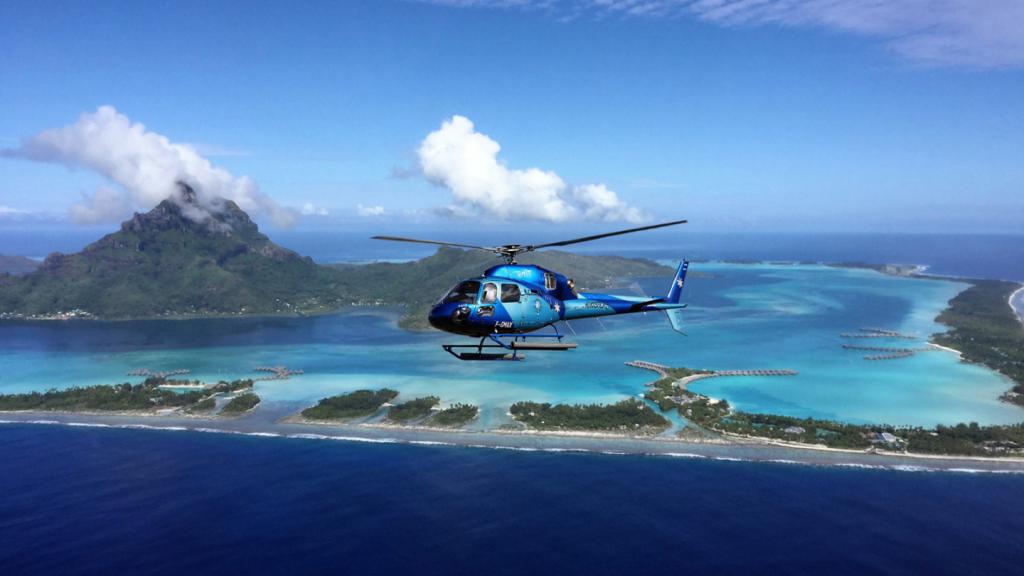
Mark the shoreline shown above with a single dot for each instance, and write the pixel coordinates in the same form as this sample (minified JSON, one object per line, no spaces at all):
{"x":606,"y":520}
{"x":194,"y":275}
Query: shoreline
{"x":726,"y":448}
{"x":1018,"y":311}
{"x":946,"y":348}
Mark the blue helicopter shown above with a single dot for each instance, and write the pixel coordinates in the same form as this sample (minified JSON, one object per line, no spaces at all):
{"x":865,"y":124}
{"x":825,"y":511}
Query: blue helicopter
{"x":510,"y":300}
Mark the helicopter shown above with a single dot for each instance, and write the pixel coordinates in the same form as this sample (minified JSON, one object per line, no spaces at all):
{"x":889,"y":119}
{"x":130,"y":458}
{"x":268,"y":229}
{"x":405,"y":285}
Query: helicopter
{"x":510,"y":301}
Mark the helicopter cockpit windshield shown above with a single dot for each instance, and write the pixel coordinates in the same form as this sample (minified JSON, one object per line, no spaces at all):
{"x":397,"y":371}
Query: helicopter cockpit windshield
{"x":463,"y":293}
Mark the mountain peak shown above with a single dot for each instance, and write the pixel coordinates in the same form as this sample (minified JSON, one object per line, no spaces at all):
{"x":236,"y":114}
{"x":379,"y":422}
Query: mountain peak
{"x":187,"y":193}
{"x":191,"y":254}
{"x":185,"y":211}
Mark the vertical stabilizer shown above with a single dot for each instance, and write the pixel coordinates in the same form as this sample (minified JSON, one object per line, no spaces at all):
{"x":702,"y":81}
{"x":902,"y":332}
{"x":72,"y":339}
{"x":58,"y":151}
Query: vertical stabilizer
{"x":677,"y":283}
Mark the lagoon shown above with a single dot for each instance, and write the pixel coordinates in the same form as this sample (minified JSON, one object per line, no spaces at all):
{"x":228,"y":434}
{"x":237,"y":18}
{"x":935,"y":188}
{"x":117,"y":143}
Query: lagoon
{"x":741,"y":316}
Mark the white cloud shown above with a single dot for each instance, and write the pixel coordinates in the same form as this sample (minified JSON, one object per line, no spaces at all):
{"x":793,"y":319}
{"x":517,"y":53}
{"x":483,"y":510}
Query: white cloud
{"x":968,"y":33}
{"x":309,"y":209}
{"x":214,"y":151}
{"x":145,"y":166}
{"x":8,"y":211}
{"x":465,"y":162}
{"x":370,"y":211}
{"x":105,"y":205}
{"x":973,"y":33}
{"x":597,"y":202}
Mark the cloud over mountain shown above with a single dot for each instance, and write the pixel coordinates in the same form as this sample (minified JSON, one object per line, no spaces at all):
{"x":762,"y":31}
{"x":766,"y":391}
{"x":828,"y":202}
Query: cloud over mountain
{"x":144,"y":166}
{"x":465,"y":162}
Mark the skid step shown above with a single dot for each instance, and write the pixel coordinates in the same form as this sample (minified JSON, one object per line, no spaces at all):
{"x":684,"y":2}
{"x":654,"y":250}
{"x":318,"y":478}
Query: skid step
{"x":486,"y":356}
{"x":518,"y":345}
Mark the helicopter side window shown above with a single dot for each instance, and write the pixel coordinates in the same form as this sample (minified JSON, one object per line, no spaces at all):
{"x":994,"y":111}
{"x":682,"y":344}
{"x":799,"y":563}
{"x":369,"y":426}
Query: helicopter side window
{"x":490,"y":294}
{"x":510,"y":293}
{"x":549,"y":281}
{"x":463,"y":292}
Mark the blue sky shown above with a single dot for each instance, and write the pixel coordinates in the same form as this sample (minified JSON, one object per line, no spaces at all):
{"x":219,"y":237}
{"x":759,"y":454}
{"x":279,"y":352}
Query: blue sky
{"x":821,"y":118}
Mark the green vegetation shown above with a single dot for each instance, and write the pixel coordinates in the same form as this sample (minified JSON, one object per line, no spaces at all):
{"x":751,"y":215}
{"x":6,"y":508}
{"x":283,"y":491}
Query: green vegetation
{"x":233,"y":386}
{"x":969,"y":439}
{"x":352,"y":405}
{"x":718,"y":416}
{"x":241,"y":403}
{"x":116,"y":397}
{"x":205,"y":405}
{"x":624,"y":416}
{"x":147,"y":396}
{"x":416,"y":408}
{"x":455,"y":415}
{"x":985,"y":329}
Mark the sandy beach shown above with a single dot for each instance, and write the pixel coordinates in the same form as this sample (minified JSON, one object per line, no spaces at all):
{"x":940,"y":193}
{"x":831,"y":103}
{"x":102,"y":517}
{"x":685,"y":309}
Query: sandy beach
{"x":726,"y":448}
{"x":946,"y":348}
{"x":1018,"y":311}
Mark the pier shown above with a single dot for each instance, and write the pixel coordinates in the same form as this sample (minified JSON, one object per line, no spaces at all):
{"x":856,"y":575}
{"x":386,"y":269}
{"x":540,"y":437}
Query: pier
{"x":877,"y":335}
{"x":276,"y":372}
{"x":752,"y":373}
{"x":887,"y":349}
{"x":893,"y":356}
{"x":149,"y":374}
{"x":880,"y":331}
{"x":887,"y":352}
{"x":661,"y":369}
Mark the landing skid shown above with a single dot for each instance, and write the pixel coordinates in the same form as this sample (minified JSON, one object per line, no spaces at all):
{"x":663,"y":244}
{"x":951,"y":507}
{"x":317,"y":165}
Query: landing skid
{"x":509,"y":349}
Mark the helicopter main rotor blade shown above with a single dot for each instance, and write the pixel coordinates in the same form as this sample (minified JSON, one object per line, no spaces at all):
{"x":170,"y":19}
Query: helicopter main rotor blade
{"x":605,"y":235}
{"x":418,"y":241}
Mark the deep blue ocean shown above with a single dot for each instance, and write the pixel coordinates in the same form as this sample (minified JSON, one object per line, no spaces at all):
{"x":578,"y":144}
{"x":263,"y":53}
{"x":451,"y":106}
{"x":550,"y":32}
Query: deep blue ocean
{"x":77,"y":500}
{"x":107,"y":501}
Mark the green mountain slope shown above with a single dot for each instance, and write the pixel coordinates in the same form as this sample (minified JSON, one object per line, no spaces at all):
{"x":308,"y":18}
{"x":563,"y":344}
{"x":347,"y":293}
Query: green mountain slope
{"x":164,"y":264}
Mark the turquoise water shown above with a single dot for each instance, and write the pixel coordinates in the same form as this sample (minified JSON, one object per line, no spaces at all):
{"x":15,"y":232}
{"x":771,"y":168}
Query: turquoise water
{"x":740,"y":317}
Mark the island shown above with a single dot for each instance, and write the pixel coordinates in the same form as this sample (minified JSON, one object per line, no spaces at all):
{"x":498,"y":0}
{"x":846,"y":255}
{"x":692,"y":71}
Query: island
{"x":454,"y":416}
{"x":241,"y":404}
{"x":413,"y":409}
{"x":347,"y":409}
{"x":627,"y":416}
{"x":356,"y":404}
{"x":152,"y":395}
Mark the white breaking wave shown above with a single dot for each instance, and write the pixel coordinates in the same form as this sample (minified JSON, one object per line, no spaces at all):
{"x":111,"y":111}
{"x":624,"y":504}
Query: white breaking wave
{"x":367,"y":440}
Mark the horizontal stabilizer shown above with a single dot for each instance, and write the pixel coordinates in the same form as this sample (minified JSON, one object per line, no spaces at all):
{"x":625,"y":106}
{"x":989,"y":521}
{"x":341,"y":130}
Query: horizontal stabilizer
{"x":641,"y":305}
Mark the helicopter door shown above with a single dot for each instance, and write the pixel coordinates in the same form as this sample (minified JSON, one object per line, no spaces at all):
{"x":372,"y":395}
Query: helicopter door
{"x":531,"y":306}
{"x":514,"y":303}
